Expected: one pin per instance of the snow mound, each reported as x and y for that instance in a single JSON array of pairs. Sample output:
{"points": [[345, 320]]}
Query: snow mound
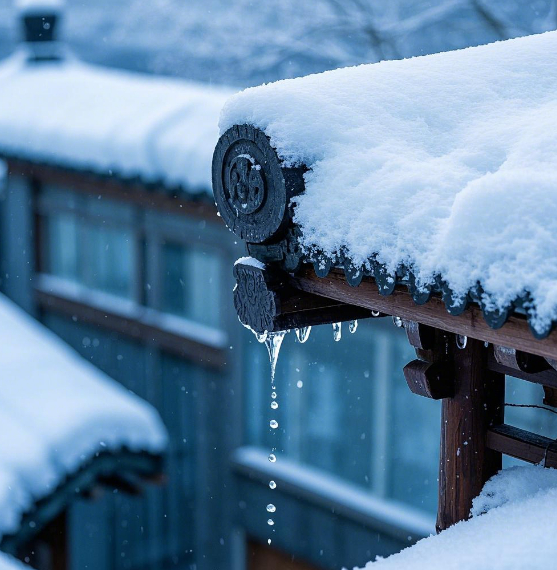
{"points": [[443, 163], [9, 563], [515, 533], [110, 122], [59, 411]]}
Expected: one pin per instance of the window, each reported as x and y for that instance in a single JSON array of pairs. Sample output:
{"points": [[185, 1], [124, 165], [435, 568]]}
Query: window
{"points": [[182, 294], [346, 408], [119, 249]]}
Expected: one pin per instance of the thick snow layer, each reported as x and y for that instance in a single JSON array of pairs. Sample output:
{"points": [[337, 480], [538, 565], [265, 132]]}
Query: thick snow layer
{"points": [[110, 121], [56, 412], [445, 163], [514, 534]]}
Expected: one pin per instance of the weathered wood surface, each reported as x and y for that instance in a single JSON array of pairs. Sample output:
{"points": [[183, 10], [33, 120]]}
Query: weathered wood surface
{"points": [[522, 444], [466, 463], [470, 323]]}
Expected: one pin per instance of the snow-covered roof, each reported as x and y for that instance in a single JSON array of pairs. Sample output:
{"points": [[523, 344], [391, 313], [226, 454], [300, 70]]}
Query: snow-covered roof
{"points": [[57, 411], [444, 164], [515, 532], [33, 6], [109, 121]]}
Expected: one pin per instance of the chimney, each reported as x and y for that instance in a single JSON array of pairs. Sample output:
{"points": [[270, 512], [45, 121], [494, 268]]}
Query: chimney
{"points": [[40, 23]]}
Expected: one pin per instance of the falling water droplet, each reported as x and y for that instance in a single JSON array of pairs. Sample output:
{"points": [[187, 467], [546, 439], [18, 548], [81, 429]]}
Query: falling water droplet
{"points": [[274, 395], [353, 326], [271, 508], [299, 383], [273, 424], [261, 337], [337, 331], [397, 321], [274, 405], [272, 457], [461, 341], [272, 485], [269, 541], [270, 522], [303, 334]]}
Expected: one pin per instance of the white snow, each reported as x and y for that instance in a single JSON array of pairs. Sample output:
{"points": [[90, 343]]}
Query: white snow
{"points": [[56, 412], [110, 121], [515, 533], [445, 163], [251, 261], [39, 5], [9, 563]]}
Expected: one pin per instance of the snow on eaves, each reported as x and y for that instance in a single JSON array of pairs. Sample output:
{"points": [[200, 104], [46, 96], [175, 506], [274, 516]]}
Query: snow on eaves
{"points": [[110, 121], [443, 163], [57, 411], [515, 533], [42, 6]]}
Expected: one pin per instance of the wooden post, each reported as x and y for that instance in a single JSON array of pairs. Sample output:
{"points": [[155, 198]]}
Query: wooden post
{"points": [[465, 461]]}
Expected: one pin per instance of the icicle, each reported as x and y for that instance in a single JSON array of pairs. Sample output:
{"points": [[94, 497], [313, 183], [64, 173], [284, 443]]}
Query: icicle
{"points": [[303, 334], [397, 321], [353, 326], [337, 331], [273, 342]]}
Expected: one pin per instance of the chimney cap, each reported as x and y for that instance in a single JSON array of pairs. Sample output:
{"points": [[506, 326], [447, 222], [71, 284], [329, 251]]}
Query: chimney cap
{"points": [[39, 7]]}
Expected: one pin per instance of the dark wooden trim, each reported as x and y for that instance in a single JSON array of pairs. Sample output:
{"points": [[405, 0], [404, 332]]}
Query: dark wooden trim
{"points": [[545, 378], [201, 354], [466, 463], [265, 301], [522, 444], [470, 323], [159, 198]]}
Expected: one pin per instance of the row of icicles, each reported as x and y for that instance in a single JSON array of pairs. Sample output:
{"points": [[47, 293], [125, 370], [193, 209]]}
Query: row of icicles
{"points": [[273, 342]]}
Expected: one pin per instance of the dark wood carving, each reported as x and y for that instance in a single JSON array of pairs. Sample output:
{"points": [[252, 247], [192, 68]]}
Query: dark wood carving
{"points": [[252, 188], [265, 300]]}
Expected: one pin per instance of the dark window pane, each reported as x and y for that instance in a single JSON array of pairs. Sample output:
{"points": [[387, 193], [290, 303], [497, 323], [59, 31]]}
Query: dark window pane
{"points": [[191, 283], [62, 254], [108, 260]]}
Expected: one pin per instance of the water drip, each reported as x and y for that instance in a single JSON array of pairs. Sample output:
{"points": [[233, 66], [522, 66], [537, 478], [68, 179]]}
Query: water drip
{"points": [[270, 522], [271, 508], [272, 458], [337, 331], [274, 405], [353, 326], [303, 334], [272, 485], [273, 424], [461, 341], [261, 337]]}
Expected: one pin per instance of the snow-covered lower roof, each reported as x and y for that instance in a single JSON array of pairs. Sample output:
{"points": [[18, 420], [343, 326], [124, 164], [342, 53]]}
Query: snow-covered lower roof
{"points": [[445, 164], [57, 412], [515, 533], [43, 6], [110, 121], [9, 563]]}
